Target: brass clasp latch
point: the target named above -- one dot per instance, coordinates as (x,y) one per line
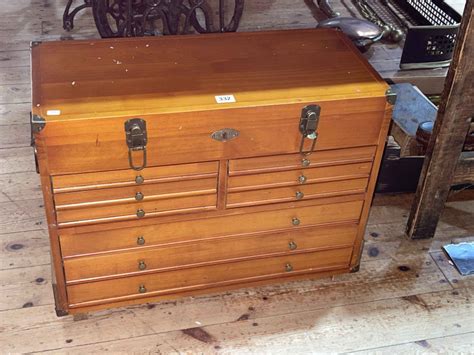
(308,125)
(136,137)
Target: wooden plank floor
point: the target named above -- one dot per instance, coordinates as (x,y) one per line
(406,298)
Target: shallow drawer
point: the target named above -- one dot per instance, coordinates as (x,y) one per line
(129,177)
(208,252)
(296,161)
(296,193)
(197,229)
(299,176)
(92,214)
(90,198)
(209,276)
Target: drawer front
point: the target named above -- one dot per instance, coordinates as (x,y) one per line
(209,276)
(299,176)
(208,252)
(296,193)
(187,136)
(129,177)
(127,194)
(296,161)
(196,229)
(92,214)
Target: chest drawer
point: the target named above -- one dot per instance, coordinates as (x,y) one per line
(299,176)
(207,277)
(129,177)
(127,194)
(207,252)
(296,161)
(97,214)
(296,193)
(142,236)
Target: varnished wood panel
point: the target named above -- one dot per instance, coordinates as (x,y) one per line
(208,252)
(208,276)
(172,74)
(291,193)
(198,229)
(190,140)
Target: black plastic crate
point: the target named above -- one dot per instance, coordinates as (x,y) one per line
(431,34)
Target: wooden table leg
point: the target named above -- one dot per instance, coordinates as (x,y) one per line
(452,123)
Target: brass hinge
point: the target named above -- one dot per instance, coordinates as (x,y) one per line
(391,96)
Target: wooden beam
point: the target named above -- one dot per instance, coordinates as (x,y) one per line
(452,123)
(465,169)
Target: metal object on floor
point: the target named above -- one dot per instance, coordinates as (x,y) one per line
(133,18)
(462,256)
(361,32)
(390,30)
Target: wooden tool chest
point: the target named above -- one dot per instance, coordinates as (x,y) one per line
(185,165)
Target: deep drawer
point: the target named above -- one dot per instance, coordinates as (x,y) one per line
(208,252)
(208,276)
(299,176)
(296,193)
(142,236)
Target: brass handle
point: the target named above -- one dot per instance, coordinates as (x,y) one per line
(141,265)
(302,179)
(295,221)
(288,267)
(140,213)
(142,288)
(305,162)
(141,240)
(139,196)
(299,195)
(139,179)
(292,245)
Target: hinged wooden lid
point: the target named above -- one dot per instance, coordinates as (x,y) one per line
(140,76)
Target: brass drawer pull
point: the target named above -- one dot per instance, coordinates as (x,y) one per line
(141,240)
(299,195)
(302,179)
(139,196)
(140,213)
(141,265)
(139,179)
(305,162)
(295,221)
(288,267)
(292,245)
(142,288)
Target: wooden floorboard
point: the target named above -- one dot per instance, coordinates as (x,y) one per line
(406,297)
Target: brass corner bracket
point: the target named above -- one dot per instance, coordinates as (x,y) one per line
(37,123)
(391,96)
